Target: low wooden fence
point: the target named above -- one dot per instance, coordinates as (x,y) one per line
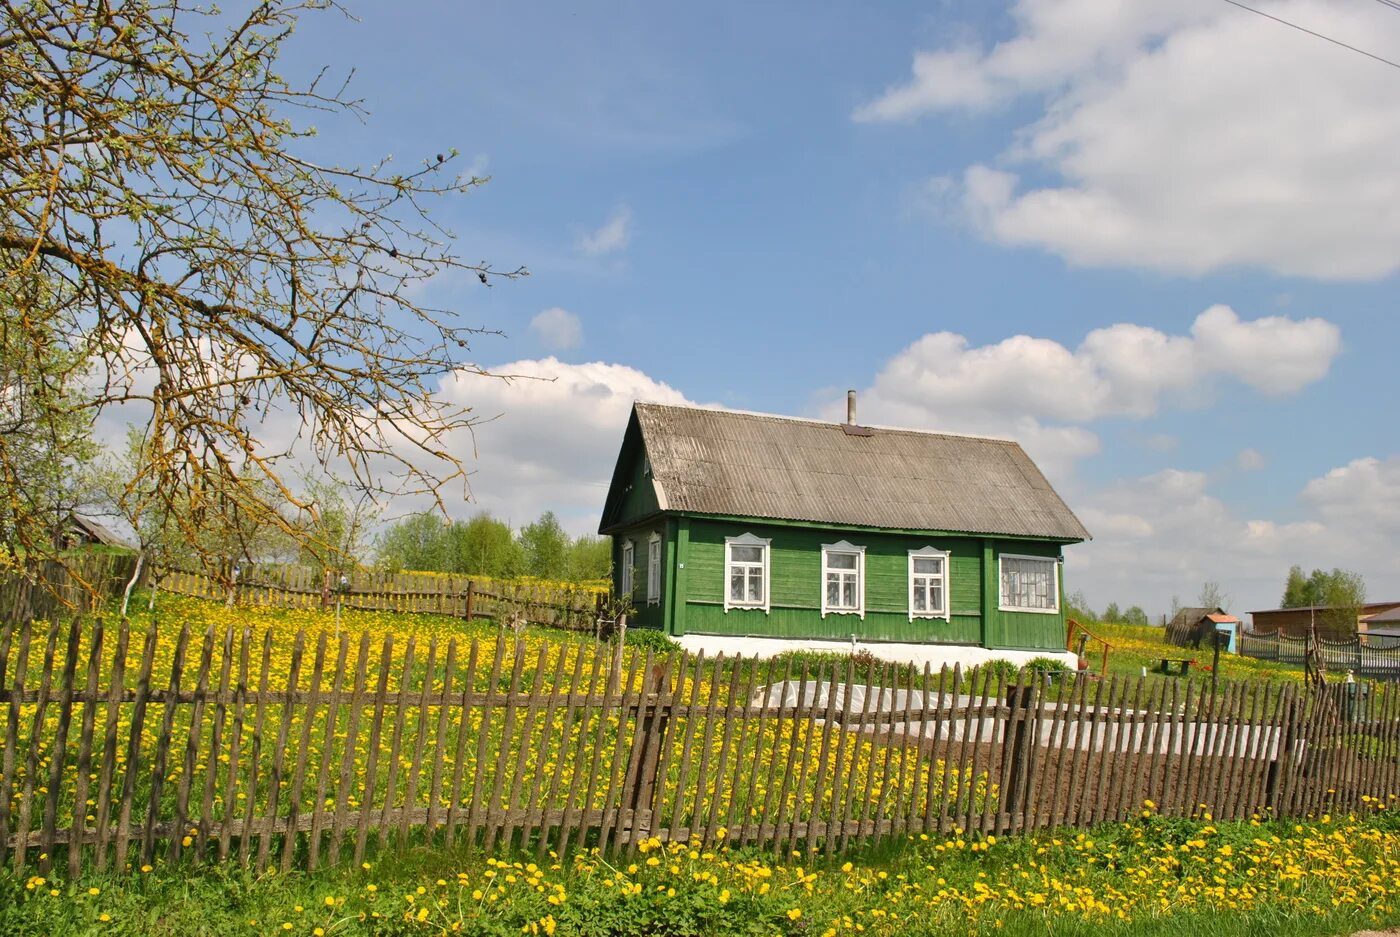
(506,601)
(1372,658)
(77,582)
(121,749)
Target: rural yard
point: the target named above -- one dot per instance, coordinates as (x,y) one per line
(692,470)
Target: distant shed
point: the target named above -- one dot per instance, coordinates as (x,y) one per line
(1191,626)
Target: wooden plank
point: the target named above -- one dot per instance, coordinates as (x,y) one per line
(844,782)
(59,752)
(400,717)
(936,791)
(308,716)
(26,803)
(677,730)
(706,732)
(993,692)
(319,811)
(742,759)
(590,785)
(235,747)
(476,807)
(687,740)
(454,798)
(83,781)
(449,678)
(192,741)
(493,806)
(354,716)
(751,796)
(829,713)
(216,741)
(556,779)
(12,736)
(888,686)
(1110,721)
(541,776)
(725,749)
(571,814)
(159,766)
(1064,790)
(527,729)
(381,693)
(762,808)
(631,692)
(420,739)
(907,804)
(245,842)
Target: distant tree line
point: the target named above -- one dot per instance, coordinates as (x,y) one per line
(1338,595)
(486,546)
(1080,610)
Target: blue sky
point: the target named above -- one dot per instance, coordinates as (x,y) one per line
(762,205)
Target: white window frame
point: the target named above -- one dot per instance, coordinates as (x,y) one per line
(844,547)
(1054,590)
(748,540)
(654,569)
(629,560)
(929,553)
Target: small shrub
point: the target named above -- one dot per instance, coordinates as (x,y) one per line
(650,639)
(1039,666)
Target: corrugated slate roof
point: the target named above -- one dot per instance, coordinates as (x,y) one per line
(752,465)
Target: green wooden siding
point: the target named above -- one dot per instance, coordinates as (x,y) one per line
(645,614)
(795,585)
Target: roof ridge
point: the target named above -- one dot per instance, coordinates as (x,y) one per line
(812,420)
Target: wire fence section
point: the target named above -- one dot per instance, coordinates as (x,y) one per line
(1372,657)
(123,748)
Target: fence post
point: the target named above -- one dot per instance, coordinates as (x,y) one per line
(1017,745)
(655,719)
(471,594)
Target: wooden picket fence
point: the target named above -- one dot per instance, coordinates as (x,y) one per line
(77,582)
(572,608)
(124,748)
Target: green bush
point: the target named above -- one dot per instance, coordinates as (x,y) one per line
(651,639)
(1046,665)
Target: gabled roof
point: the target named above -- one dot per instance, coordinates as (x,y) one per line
(1224,619)
(722,462)
(98,531)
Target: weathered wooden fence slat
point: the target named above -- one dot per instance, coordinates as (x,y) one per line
(294,756)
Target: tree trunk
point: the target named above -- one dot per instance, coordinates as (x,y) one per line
(131,583)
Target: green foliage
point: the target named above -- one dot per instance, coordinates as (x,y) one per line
(1112,612)
(651,639)
(1045,665)
(546,546)
(1340,592)
(1135,616)
(485,546)
(1080,609)
(992,669)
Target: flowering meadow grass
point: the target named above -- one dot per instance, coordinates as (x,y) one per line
(1149,876)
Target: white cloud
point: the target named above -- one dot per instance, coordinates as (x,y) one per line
(557,329)
(1250,460)
(1186,137)
(549,436)
(612,237)
(1036,389)
(1166,533)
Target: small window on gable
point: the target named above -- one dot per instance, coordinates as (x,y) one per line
(928,583)
(1030,584)
(628,561)
(654,570)
(746,572)
(843,579)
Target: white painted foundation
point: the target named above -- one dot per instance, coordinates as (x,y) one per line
(935,655)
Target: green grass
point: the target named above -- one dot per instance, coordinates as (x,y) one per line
(1153,876)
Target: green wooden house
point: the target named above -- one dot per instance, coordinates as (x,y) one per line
(728,523)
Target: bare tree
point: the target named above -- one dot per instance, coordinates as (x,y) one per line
(160,214)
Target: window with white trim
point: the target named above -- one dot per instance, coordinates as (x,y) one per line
(628,560)
(1029,584)
(746,572)
(654,570)
(843,579)
(928,583)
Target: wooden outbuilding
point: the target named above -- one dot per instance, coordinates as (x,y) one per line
(730,523)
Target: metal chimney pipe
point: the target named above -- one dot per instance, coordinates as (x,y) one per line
(851,407)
